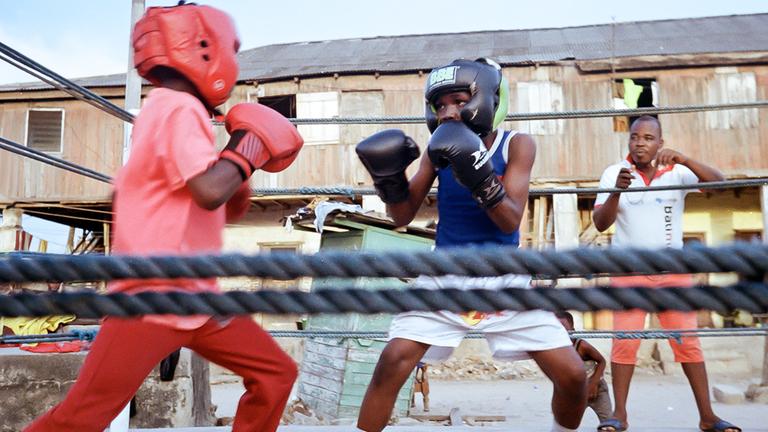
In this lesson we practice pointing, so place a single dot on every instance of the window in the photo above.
(282, 249)
(45, 129)
(540, 96)
(694, 239)
(749, 236)
(278, 247)
(318, 105)
(284, 321)
(360, 104)
(285, 105)
(728, 86)
(630, 94)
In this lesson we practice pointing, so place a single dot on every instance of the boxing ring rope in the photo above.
(46, 75)
(552, 115)
(39, 156)
(351, 191)
(747, 259)
(748, 296)
(90, 334)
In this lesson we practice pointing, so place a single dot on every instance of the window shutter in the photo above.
(44, 130)
(318, 105)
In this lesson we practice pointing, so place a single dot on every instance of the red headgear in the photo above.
(199, 42)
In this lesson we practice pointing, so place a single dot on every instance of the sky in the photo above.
(78, 38)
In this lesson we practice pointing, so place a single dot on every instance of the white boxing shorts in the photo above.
(510, 335)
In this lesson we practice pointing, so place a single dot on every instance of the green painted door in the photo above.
(362, 354)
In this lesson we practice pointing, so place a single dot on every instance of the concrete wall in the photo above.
(30, 384)
(736, 356)
(268, 234)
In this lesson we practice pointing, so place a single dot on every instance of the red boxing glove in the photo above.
(261, 139)
(239, 203)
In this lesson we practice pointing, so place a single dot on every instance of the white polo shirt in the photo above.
(649, 219)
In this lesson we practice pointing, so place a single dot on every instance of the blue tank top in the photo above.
(462, 221)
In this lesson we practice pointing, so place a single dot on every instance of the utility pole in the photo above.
(132, 104)
(132, 82)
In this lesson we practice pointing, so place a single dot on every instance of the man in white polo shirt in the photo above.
(653, 220)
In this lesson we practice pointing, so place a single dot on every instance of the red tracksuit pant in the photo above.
(126, 350)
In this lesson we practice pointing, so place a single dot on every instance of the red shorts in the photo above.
(624, 351)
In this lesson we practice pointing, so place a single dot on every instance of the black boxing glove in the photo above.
(454, 144)
(386, 155)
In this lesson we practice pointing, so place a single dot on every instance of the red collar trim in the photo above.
(659, 172)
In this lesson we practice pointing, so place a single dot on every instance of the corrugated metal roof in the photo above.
(725, 34)
(94, 81)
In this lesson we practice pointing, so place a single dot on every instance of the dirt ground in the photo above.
(656, 402)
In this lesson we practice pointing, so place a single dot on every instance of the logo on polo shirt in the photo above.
(667, 225)
(666, 201)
